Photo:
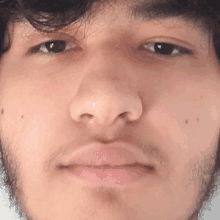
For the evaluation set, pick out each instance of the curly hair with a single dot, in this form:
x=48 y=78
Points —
x=49 y=16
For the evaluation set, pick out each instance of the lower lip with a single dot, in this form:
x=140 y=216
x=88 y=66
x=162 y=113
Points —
x=109 y=176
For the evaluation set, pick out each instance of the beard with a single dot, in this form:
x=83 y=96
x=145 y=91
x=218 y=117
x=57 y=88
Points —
x=10 y=170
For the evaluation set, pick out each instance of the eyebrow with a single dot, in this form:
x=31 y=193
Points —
x=163 y=9
x=149 y=10
x=158 y=10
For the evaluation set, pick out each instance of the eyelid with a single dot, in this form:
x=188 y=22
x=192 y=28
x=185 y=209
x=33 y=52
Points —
x=43 y=38
x=179 y=51
x=178 y=43
x=69 y=44
x=171 y=40
x=36 y=49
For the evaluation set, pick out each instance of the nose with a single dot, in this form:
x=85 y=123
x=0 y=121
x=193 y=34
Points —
x=106 y=96
x=102 y=104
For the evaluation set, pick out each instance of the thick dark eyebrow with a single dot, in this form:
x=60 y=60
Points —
x=163 y=9
x=159 y=10
x=149 y=10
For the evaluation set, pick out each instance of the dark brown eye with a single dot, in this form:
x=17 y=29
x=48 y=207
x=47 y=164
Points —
x=54 y=46
x=166 y=49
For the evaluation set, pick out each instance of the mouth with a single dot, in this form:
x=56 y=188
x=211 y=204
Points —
x=108 y=165
x=107 y=175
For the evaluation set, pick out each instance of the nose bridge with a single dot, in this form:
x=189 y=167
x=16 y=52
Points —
x=105 y=93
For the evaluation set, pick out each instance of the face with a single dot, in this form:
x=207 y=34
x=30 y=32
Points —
x=112 y=84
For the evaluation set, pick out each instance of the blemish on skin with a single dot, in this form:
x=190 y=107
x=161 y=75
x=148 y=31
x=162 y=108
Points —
x=22 y=116
x=201 y=97
x=186 y=121
x=198 y=119
x=2 y=111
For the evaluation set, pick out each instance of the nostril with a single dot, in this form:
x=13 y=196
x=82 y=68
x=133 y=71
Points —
x=123 y=115
x=86 y=115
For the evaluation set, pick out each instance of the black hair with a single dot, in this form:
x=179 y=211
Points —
x=49 y=16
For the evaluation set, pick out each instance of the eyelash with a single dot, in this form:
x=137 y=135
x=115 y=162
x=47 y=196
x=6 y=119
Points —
x=176 y=50
x=42 y=47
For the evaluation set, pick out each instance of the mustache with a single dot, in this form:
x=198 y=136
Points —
x=153 y=152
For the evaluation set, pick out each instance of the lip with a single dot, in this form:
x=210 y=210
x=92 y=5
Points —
x=109 y=176
x=115 y=164
x=114 y=154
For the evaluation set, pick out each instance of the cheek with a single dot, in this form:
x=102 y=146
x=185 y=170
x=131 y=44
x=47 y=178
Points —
x=187 y=119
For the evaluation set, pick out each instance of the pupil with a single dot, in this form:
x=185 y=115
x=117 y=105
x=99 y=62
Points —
x=56 y=46
x=164 y=48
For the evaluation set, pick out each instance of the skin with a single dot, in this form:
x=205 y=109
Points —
x=173 y=105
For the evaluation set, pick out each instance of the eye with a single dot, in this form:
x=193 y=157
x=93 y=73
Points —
x=166 y=49
x=51 y=47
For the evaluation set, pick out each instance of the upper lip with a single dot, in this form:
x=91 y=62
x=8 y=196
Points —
x=114 y=154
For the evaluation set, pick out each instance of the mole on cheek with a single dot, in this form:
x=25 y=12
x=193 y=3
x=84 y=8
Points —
x=198 y=119
x=22 y=116
x=186 y=121
x=2 y=111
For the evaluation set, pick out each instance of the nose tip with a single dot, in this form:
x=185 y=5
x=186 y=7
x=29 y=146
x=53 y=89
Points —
x=104 y=110
x=105 y=118
x=105 y=102
x=93 y=121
